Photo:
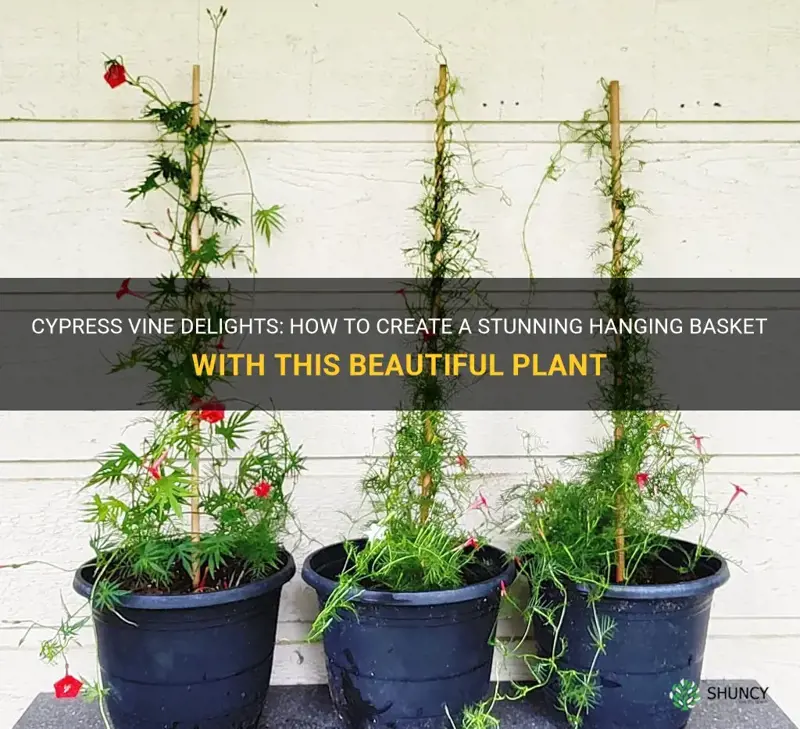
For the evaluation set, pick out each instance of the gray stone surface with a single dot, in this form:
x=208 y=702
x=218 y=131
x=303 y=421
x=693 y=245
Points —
x=308 y=707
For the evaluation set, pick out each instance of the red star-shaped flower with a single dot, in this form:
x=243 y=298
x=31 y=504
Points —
x=737 y=492
x=210 y=411
x=263 y=489
x=68 y=687
x=124 y=290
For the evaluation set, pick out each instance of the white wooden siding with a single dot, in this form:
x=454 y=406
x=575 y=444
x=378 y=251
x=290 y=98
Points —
x=345 y=80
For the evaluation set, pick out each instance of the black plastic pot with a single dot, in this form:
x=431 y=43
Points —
x=658 y=641
x=403 y=657
x=199 y=661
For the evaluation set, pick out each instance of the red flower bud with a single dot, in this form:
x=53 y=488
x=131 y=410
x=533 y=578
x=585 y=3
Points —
x=155 y=469
x=68 y=687
x=471 y=542
x=641 y=480
x=479 y=503
x=115 y=74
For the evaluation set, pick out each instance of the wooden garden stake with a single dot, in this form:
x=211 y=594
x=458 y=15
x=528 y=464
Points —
x=438 y=178
x=194 y=190
x=194 y=193
x=616 y=266
x=438 y=197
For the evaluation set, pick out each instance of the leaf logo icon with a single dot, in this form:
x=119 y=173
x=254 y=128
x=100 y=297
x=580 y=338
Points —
x=685 y=695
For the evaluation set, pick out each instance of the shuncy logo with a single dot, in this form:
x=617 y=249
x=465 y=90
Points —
x=685 y=695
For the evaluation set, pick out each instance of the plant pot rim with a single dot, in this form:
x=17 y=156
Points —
x=692 y=588
x=325 y=586
x=83 y=587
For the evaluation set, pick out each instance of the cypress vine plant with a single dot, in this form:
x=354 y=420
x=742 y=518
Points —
x=190 y=510
x=609 y=516
x=419 y=567
x=420 y=492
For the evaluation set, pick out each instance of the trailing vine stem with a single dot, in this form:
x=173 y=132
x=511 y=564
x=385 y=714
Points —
x=592 y=133
x=441 y=59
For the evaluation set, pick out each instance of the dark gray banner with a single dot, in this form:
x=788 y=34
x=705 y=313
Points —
x=333 y=344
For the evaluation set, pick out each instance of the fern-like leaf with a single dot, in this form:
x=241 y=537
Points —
x=269 y=220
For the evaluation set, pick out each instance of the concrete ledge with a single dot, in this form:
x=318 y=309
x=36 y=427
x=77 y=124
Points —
x=308 y=707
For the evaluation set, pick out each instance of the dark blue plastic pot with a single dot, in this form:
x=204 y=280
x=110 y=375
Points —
x=199 y=661
x=659 y=639
x=404 y=659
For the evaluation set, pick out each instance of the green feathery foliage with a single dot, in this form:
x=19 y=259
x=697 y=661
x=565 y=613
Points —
x=193 y=459
x=641 y=482
x=420 y=492
x=142 y=541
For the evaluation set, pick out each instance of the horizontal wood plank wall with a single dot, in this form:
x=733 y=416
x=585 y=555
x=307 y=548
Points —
x=329 y=102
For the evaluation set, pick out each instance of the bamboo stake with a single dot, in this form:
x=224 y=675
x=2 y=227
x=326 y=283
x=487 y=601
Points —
x=438 y=196
x=438 y=179
x=194 y=193
x=616 y=265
